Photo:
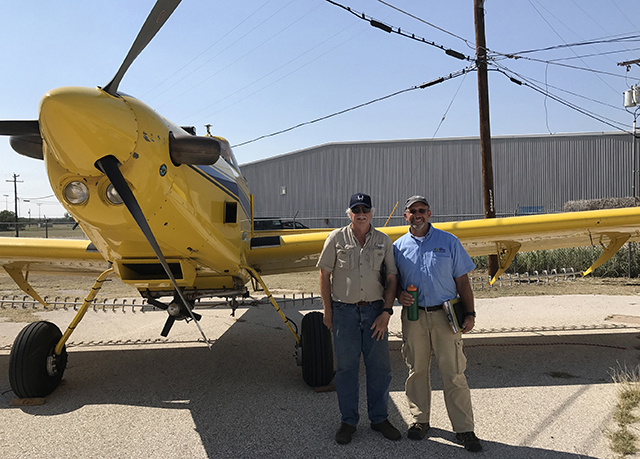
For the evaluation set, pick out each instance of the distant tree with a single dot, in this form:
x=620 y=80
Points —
x=8 y=221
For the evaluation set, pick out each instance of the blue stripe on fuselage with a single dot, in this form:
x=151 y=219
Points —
x=226 y=184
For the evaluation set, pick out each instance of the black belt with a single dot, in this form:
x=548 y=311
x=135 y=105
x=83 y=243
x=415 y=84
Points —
x=431 y=308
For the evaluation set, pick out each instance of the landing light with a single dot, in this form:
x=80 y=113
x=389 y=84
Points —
x=76 y=193
x=113 y=196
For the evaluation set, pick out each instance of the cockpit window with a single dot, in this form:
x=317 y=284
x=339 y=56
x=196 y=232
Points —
x=226 y=153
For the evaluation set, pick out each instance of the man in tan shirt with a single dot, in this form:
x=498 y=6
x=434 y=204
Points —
x=357 y=307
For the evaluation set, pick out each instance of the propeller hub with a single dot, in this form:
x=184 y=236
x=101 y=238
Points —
x=82 y=125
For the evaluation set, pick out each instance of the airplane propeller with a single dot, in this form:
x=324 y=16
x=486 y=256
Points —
x=156 y=19
x=110 y=166
x=25 y=137
x=184 y=149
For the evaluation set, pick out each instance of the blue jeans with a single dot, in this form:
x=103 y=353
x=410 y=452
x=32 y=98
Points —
x=352 y=337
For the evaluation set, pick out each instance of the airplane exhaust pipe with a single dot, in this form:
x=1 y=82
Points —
x=27 y=145
x=190 y=149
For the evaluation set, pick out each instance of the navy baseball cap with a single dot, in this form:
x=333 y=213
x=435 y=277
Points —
x=360 y=199
x=413 y=199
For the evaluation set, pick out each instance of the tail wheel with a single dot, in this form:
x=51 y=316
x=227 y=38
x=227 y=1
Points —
x=317 y=351
x=34 y=368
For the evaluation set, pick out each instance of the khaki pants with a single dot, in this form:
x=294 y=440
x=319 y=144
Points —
x=432 y=333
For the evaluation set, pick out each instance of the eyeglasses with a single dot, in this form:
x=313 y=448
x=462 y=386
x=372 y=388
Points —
x=421 y=210
x=358 y=209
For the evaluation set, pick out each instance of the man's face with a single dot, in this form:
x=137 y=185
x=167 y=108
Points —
x=361 y=215
x=418 y=216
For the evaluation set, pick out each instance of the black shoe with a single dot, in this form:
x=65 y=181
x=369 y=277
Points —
x=469 y=441
x=418 y=430
x=344 y=434
x=387 y=430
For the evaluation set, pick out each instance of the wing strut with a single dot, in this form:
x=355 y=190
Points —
x=257 y=277
x=616 y=240
x=22 y=281
x=506 y=251
x=83 y=309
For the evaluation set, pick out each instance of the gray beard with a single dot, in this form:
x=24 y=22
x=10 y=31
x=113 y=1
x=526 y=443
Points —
x=418 y=227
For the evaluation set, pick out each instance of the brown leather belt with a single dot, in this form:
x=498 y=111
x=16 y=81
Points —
x=364 y=303
x=431 y=308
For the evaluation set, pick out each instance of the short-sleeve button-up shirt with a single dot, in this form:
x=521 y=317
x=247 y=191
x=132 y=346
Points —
x=431 y=265
x=355 y=269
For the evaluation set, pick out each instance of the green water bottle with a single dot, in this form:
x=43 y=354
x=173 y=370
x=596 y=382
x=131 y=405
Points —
x=412 y=312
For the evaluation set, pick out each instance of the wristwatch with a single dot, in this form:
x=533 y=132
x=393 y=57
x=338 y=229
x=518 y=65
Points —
x=470 y=313
x=389 y=310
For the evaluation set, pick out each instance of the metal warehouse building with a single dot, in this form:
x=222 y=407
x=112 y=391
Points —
x=532 y=174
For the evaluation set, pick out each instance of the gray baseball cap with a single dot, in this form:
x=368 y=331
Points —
x=413 y=199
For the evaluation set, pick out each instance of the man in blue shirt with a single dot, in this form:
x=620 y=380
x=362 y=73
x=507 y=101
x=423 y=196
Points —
x=435 y=262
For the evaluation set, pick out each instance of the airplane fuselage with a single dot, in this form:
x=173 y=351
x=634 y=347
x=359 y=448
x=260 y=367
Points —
x=200 y=215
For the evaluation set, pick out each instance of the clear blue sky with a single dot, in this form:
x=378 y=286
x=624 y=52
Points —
x=254 y=67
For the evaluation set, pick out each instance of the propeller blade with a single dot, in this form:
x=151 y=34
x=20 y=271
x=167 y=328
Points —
x=20 y=127
x=156 y=19
x=29 y=145
x=110 y=166
x=167 y=326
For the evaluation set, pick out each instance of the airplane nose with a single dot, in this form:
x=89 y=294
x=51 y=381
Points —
x=82 y=125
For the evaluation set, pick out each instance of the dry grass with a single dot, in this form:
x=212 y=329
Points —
x=623 y=441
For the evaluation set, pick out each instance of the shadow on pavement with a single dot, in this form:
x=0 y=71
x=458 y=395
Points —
x=246 y=397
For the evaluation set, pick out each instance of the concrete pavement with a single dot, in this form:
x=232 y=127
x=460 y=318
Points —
x=540 y=373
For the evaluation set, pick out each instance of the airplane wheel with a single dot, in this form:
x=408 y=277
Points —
x=317 y=351
x=34 y=369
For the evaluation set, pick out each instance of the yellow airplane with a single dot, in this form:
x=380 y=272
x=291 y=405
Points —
x=170 y=213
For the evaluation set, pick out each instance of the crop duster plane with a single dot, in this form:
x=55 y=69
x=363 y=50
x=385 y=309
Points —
x=170 y=213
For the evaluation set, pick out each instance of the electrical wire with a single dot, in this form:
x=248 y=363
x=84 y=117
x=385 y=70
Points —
x=469 y=44
x=620 y=38
x=390 y=29
x=272 y=72
x=202 y=53
x=525 y=82
x=560 y=36
x=262 y=43
x=341 y=112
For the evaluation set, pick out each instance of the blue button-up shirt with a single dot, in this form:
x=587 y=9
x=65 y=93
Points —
x=431 y=265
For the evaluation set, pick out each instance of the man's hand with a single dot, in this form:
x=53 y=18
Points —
x=379 y=326
x=468 y=324
x=327 y=319
x=405 y=298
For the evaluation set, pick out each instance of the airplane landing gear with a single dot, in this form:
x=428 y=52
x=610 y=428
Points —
x=35 y=370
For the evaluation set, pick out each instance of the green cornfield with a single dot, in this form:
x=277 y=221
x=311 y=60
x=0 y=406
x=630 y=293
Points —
x=578 y=258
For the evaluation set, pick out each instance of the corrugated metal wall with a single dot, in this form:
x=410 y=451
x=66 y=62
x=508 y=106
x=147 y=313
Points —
x=538 y=172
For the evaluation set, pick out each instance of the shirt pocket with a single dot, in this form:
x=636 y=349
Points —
x=345 y=257
x=376 y=257
x=440 y=261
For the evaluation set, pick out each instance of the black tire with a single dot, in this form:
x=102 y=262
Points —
x=317 y=351
x=34 y=369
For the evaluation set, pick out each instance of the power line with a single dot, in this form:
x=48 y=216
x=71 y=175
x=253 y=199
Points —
x=306 y=123
x=203 y=52
x=390 y=29
x=523 y=81
x=470 y=45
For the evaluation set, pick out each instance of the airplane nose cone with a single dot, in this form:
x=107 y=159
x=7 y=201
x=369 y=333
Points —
x=82 y=125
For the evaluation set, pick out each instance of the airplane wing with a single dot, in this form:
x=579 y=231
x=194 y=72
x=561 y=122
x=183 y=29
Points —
x=21 y=256
x=283 y=251
x=290 y=250
x=62 y=256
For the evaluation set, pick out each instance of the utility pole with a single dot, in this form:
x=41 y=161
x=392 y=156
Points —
x=15 y=191
x=485 y=130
